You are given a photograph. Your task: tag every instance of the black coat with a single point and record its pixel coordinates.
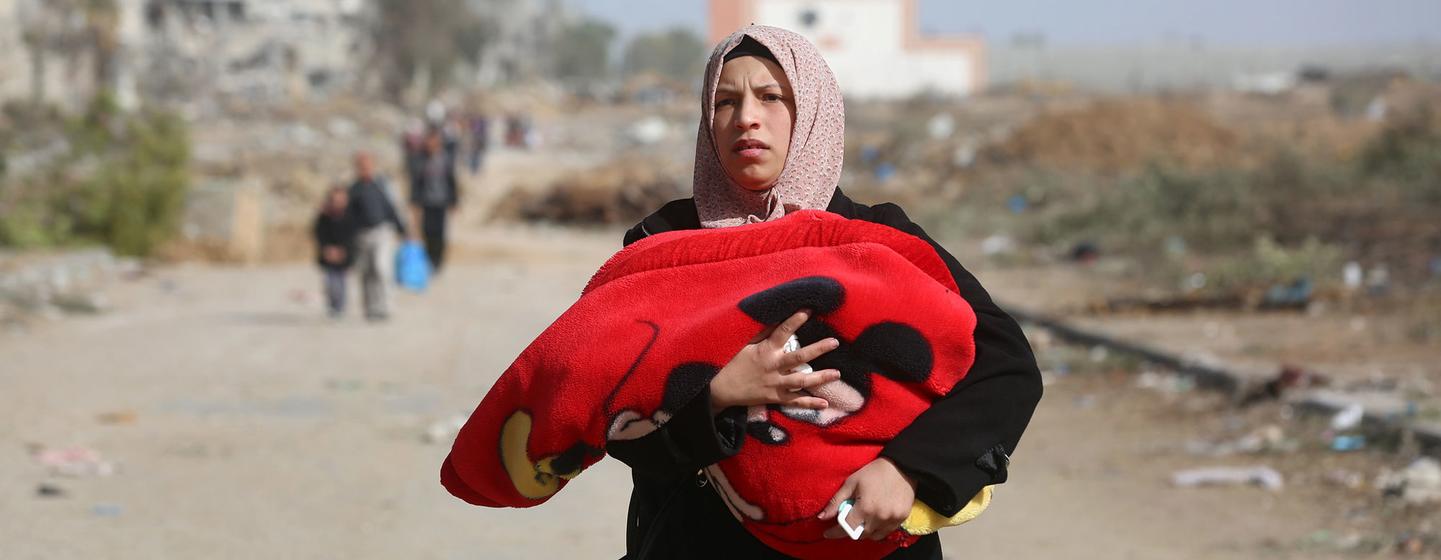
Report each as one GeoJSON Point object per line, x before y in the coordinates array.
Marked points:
{"type": "Point", "coordinates": [952, 450]}
{"type": "Point", "coordinates": [334, 231]}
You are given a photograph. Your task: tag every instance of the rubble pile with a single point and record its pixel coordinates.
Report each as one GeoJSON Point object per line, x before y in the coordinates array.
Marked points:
{"type": "Point", "coordinates": [1121, 134]}
{"type": "Point", "coordinates": [619, 192]}
{"type": "Point", "coordinates": [44, 285]}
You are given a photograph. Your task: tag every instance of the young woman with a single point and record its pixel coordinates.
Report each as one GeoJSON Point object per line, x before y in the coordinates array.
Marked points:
{"type": "Point", "coordinates": [770, 142]}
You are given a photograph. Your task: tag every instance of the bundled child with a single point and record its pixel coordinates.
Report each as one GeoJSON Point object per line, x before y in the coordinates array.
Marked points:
{"type": "Point", "coordinates": [335, 246]}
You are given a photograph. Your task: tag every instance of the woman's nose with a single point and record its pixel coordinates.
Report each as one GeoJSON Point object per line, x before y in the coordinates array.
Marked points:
{"type": "Point", "coordinates": [748, 114]}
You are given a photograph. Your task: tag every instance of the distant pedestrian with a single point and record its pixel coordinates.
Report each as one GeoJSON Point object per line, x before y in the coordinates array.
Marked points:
{"type": "Point", "coordinates": [335, 246]}
{"type": "Point", "coordinates": [377, 221]}
{"type": "Point", "coordinates": [479, 141]}
{"type": "Point", "coordinates": [434, 194]}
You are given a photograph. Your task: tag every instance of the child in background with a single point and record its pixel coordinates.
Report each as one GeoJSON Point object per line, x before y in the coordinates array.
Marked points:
{"type": "Point", "coordinates": [335, 246]}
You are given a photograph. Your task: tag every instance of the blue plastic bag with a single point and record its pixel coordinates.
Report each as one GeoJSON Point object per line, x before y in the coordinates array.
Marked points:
{"type": "Point", "coordinates": [412, 267]}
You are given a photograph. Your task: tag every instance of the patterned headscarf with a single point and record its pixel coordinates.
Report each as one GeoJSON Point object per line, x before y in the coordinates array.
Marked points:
{"type": "Point", "coordinates": [813, 164]}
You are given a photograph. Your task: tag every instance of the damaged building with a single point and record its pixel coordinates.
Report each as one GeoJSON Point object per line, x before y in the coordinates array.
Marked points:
{"type": "Point", "coordinates": [199, 52]}
{"type": "Point", "coordinates": [257, 50]}
{"type": "Point", "coordinates": [62, 52]}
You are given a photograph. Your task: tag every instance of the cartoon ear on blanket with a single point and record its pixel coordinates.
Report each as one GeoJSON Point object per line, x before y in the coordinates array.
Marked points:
{"type": "Point", "coordinates": [682, 384]}
{"type": "Point", "coordinates": [540, 479]}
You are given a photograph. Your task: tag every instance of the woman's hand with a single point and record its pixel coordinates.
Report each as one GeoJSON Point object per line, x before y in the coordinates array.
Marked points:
{"type": "Point", "coordinates": [883, 498]}
{"type": "Point", "coordinates": [760, 373]}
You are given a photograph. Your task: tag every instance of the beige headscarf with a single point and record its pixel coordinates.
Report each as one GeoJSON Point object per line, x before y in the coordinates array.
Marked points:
{"type": "Point", "coordinates": [813, 164]}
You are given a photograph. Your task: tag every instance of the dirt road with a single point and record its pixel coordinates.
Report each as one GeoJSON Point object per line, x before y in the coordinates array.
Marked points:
{"type": "Point", "coordinates": [246, 425]}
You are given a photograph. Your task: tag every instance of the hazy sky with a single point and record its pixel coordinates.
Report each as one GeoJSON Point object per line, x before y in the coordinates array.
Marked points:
{"type": "Point", "coordinates": [1217, 22]}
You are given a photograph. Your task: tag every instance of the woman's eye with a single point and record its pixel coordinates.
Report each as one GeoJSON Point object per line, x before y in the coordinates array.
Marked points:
{"type": "Point", "coordinates": [771, 97]}
{"type": "Point", "coordinates": [724, 102]}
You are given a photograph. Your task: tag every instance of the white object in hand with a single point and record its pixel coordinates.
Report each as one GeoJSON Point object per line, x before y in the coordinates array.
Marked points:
{"type": "Point", "coordinates": [854, 532]}
{"type": "Point", "coordinates": [793, 344]}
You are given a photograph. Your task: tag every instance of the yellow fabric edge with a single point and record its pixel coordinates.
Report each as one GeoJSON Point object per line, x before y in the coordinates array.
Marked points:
{"type": "Point", "coordinates": [923, 520]}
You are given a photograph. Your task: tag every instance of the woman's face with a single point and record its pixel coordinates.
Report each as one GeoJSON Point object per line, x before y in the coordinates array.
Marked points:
{"type": "Point", "coordinates": [754, 110]}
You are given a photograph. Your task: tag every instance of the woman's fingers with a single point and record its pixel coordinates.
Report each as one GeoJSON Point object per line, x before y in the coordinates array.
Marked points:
{"type": "Point", "coordinates": [802, 401]}
{"type": "Point", "coordinates": [805, 355]}
{"type": "Point", "coordinates": [783, 331]}
{"type": "Point", "coordinates": [797, 381]}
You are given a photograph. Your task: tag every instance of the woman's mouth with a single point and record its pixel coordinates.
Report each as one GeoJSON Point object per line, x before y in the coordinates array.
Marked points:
{"type": "Point", "coordinates": [749, 148]}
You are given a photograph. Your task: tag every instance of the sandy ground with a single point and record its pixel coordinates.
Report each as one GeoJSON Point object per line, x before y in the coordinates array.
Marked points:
{"type": "Point", "coordinates": [253, 427]}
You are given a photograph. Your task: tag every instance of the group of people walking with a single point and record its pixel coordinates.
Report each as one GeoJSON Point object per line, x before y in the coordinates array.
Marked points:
{"type": "Point", "coordinates": [360, 225]}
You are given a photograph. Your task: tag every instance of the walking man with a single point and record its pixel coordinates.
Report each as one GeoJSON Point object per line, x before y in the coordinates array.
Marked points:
{"type": "Point", "coordinates": [378, 225]}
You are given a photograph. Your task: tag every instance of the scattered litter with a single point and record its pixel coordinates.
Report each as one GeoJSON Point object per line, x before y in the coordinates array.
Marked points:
{"type": "Point", "coordinates": [117, 417]}
{"type": "Point", "coordinates": [998, 244]}
{"type": "Point", "coordinates": [1085, 252]}
{"type": "Point", "coordinates": [885, 171]}
{"type": "Point", "coordinates": [1344, 443]}
{"type": "Point", "coordinates": [1378, 280]}
{"type": "Point", "coordinates": [647, 131]}
{"type": "Point", "coordinates": [1194, 282]}
{"type": "Point", "coordinates": [1017, 204]}
{"type": "Point", "coordinates": [1351, 275]}
{"type": "Point", "coordinates": [1098, 354]}
{"type": "Point", "coordinates": [941, 126]}
{"type": "Point", "coordinates": [1290, 377]}
{"type": "Point", "coordinates": [45, 490]}
{"type": "Point", "coordinates": [964, 155]}
{"type": "Point", "coordinates": [1169, 383]}
{"type": "Point", "coordinates": [1269, 438]}
{"type": "Point", "coordinates": [870, 153]}
{"type": "Point", "coordinates": [1348, 418]}
{"type": "Point", "coordinates": [73, 461]}
{"type": "Point", "coordinates": [441, 431]}
{"type": "Point", "coordinates": [1415, 544]}
{"type": "Point", "coordinates": [302, 297]}
{"type": "Point", "coordinates": [1295, 295]}
{"type": "Point", "coordinates": [1419, 483]}
{"type": "Point", "coordinates": [1265, 477]}
{"type": "Point", "coordinates": [1350, 480]}
{"type": "Point", "coordinates": [1175, 247]}
{"type": "Point", "coordinates": [106, 510]}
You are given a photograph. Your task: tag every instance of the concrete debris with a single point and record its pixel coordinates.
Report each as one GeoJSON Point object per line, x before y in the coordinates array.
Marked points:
{"type": "Point", "coordinates": [1269, 438]}
{"type": "Point", "coordinates": [1265, 477]}
{"type": "Point", "coordinates": [1348, 418]}
{"type": "Point", "coordinates": [1419, 483]}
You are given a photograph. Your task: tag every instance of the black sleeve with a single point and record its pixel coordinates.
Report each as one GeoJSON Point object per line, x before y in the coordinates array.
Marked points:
{"type": "Point", "coordinates": [387, 199]}
{"type": "Point", "coordinates": [963, 442]}
{"type": "Point", "coordinates": [454, 184]}
{"type": "Point", "coordinates": [688, 441]}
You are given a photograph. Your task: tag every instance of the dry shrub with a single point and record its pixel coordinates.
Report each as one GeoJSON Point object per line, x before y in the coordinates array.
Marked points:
{"type": "Point", "coordinates": [1121, 134]}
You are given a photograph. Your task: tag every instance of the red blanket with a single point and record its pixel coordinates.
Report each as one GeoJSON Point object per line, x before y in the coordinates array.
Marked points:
{"type": "Point", "coordinates": [663, 315]}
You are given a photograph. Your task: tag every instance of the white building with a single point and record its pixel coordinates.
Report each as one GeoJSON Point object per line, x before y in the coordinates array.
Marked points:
{"type": "Point", "coordinates": [875, 47]}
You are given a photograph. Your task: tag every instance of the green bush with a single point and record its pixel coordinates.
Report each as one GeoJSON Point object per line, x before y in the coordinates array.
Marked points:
{"type": "Point", "coordinates": [122, 184]}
